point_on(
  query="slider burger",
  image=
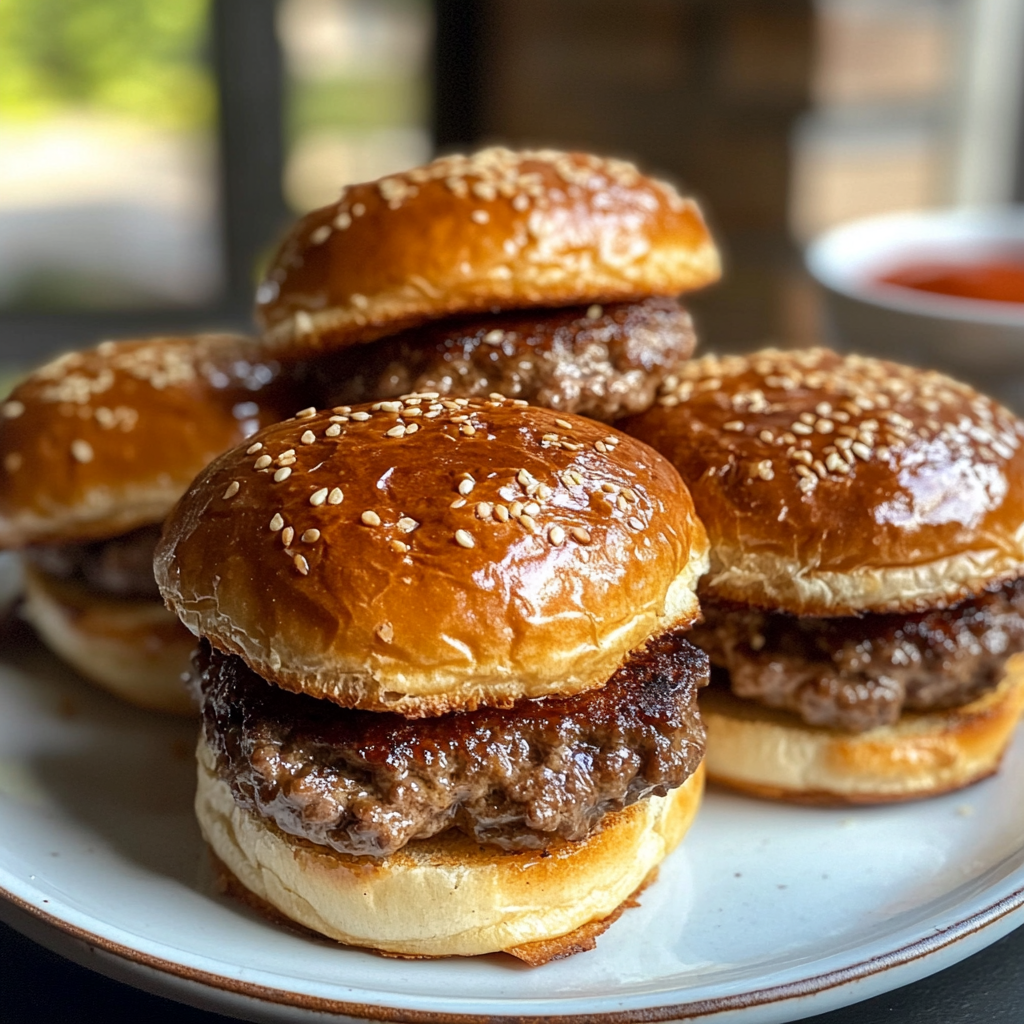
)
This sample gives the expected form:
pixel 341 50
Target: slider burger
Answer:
pixel 542 275
pixel 96 447
pixel 448 703
pixel 865 605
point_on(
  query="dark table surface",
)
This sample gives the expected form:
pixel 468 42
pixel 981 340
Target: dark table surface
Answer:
pixel 39 987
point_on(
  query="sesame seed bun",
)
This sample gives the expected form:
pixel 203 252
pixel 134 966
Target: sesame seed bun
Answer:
pixel 834 485
pixel 134 649
pixel 448 896
pixel 98 442
pixel 421 556
pixel 496 230
pixel 773 754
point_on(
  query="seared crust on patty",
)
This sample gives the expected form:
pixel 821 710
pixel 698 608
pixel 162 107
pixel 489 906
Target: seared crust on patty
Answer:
pixel 597 361
pixel 366 783
pixel 857 674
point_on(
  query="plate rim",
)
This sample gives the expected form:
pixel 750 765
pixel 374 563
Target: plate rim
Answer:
pixel 932 943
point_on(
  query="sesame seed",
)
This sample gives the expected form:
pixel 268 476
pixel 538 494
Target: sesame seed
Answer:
pixel 882 452
pixel 396 431
pixel 580 534
pixel 458 503
pixel 370 518
pixel 629 494
pixel 310 536
pixel 824 426
pixel 564 424
pixel 819 467
pixel 385 631
pixel 529 522
pixel 287 535
pixel 515 510
pixel 601 447
pixel 301 564
pixel 335 497
pixel 318 497
pixel 805 457
pixel 765 470
pixel 360 417
pixel 495 337
pixel 13 409
pixel 531 508
pixel 544 492
pixel 594 312
pixel 254 448
pixel 468 429
pixel 484 509
pixel 733 425
pixel 464 539
pixel 262 462
pixel 232 489
pixel 835 463
pixel 305 414
pixel 400 546
pixel 333 430
pixel 308 437
pixel 801 428
pixel 556 535
pixel 343 221
pixel 81 451
pixel 282 474
pixel 480 216
pixel 406 524
pixel 390 406
pixel 609 488
pixel 320 234
pixel 637 524
pixel 501 513
pixel 466 486
pixel 804 471
pixel 277 522
pixel 524 478
pixel 861 450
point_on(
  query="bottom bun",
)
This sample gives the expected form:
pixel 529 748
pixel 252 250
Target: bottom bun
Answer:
pixel 773 754
pixel 135 648
pixel 449 895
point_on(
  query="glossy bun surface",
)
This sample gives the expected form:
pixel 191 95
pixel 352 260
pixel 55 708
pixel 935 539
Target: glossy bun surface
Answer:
pixel 98 442
pixel 421 555
pixel 495 230
pixel 832 485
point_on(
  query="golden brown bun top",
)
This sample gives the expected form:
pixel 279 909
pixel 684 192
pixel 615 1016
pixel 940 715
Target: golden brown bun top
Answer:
pixel 495 230
pixel 98 442
pixel 835 485
pixel 423 555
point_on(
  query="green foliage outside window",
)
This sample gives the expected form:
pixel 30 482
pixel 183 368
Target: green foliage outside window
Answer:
pixel 140 58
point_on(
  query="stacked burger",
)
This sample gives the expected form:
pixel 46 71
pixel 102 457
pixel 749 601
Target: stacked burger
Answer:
pixel 95 448
pixel 546 276
pixel 448 703
pixel 865 605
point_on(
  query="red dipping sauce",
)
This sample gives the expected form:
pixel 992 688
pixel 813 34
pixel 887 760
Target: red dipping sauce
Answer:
pixel 995 280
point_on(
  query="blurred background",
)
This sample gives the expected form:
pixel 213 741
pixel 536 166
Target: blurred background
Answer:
pixel 152 151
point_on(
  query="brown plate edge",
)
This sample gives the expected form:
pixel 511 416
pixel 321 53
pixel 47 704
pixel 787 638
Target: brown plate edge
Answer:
pixel 677 1011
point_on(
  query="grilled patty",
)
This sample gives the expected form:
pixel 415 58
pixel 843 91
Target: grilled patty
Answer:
pixel 598 361
pixel 366 783
pixel 857 673
pixel 121 566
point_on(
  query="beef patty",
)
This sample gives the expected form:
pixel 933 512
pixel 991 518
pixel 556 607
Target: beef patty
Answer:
pixel 598 361
pixel 366 783
pixel 121 566
pixel 858 673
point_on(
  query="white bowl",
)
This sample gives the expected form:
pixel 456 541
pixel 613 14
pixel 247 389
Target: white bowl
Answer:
pixel 975 340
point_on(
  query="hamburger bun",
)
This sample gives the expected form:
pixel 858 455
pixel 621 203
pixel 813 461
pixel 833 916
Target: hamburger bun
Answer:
pixel 774 754
pixel 496 230
pixel 837 485
pixel 390 557
pixel 132 648
pixel 448 896
pixel 102 441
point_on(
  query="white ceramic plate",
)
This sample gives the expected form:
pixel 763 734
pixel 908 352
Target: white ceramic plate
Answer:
pixel 767 913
